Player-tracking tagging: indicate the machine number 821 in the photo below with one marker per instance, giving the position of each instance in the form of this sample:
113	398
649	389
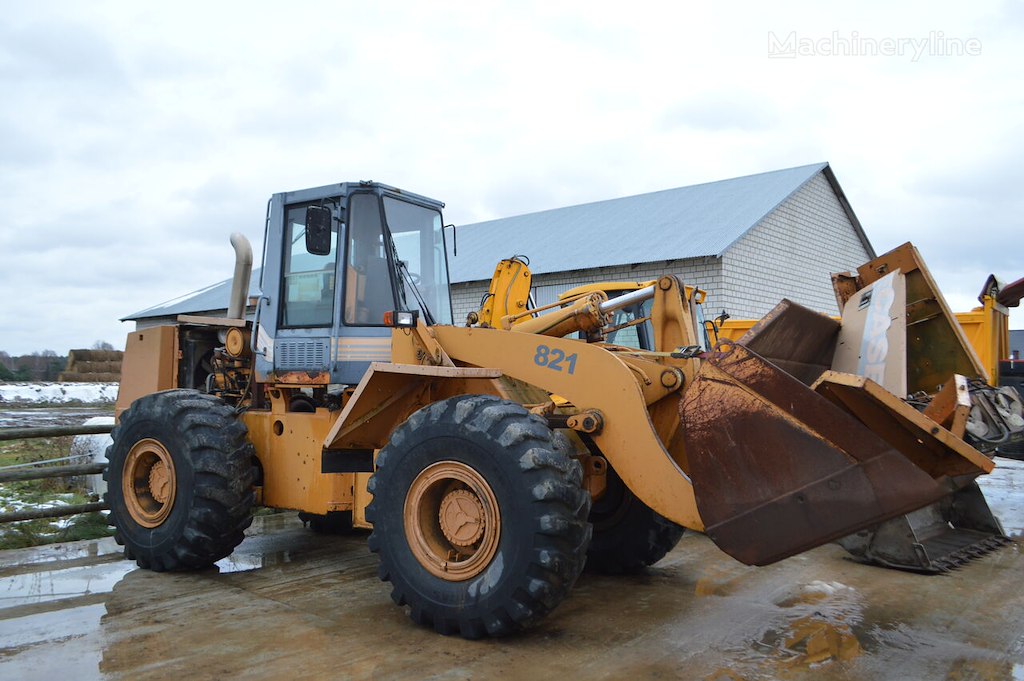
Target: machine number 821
555	359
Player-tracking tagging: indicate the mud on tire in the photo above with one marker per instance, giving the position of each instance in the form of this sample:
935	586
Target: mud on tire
479	520
628	534
179	480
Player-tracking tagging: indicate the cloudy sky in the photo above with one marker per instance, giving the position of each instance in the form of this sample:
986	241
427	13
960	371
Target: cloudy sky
135	137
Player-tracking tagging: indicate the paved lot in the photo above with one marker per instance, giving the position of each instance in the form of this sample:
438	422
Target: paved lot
292	604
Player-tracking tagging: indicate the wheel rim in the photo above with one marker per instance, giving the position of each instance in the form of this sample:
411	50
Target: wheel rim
148	483
452	521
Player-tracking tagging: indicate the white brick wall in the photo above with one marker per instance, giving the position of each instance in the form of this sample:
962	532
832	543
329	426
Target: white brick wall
790	254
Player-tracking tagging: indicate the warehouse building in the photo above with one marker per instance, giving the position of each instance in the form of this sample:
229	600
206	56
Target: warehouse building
748	241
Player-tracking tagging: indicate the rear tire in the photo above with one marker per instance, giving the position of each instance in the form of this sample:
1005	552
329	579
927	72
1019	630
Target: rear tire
179	480
479	521
628	535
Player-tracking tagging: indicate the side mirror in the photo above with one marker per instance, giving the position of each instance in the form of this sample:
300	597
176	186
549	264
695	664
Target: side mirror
318	230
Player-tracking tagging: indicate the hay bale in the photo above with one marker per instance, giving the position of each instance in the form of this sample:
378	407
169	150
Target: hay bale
94	362
94	366
76	357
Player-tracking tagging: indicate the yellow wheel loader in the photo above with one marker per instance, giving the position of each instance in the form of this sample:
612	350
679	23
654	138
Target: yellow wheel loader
488	459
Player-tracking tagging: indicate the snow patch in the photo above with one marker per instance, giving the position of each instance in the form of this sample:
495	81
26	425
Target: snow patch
58	393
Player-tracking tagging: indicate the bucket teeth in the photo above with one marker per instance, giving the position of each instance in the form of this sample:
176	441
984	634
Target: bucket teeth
943	551
965	554
933	539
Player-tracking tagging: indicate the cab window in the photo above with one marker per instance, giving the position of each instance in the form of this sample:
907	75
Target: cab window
308	279
368	289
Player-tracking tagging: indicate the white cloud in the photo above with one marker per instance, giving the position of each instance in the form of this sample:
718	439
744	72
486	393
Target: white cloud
136	138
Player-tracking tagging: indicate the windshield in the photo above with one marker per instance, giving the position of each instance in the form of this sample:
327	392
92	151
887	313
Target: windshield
419	241
628	332
702	327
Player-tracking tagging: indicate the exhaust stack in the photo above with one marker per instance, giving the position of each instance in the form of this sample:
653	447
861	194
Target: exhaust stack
240	282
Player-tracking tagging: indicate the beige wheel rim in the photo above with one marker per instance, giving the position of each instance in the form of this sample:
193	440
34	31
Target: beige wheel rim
452	521
148	483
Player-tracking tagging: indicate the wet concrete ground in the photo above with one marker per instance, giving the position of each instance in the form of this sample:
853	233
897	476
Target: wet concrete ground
292	604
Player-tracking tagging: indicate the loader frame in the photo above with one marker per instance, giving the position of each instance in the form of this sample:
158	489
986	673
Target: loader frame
475	453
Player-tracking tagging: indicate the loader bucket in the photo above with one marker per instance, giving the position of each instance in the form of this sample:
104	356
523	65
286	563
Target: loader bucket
779	468
937	538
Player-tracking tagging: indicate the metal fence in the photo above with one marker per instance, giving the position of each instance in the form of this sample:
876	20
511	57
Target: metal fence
33	471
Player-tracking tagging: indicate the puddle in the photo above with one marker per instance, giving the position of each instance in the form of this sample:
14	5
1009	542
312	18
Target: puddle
719	580
52	645
243	562
60	584
975	669
1004	490
819	625
12	559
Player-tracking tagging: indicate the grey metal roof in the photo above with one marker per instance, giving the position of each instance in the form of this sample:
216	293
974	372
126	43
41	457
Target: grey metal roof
688	222
210	299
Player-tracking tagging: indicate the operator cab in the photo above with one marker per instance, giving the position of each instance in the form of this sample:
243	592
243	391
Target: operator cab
336	260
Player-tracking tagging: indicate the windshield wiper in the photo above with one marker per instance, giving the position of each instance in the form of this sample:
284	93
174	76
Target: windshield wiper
406	275
428	317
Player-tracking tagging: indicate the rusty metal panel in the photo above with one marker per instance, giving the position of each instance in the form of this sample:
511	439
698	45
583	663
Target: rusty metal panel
796	339
301	378
951	406
778	469
930	446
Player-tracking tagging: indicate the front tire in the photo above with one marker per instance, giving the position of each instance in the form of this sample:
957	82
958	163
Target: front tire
179	480
479	520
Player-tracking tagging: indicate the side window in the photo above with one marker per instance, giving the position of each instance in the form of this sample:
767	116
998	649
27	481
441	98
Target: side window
308	288
368	292
627	336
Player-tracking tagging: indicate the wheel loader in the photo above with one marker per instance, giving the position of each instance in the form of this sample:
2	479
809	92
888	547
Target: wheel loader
492	461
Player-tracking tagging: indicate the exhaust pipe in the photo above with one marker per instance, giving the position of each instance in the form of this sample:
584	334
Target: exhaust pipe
243	271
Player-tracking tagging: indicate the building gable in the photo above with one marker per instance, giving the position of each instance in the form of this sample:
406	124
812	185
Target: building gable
687	222
792	254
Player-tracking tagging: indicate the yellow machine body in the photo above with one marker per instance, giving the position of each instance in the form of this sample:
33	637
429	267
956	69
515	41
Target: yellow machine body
795	434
